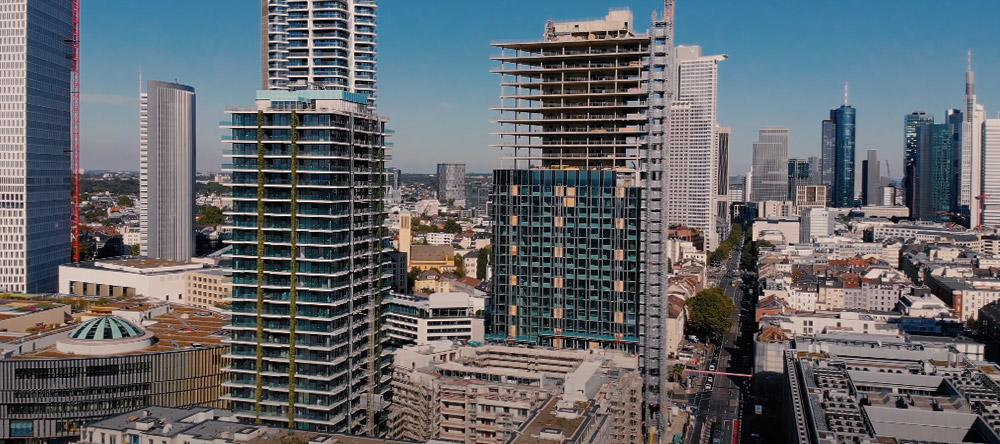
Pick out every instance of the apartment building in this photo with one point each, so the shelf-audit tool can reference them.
(209, 289)
(308, 265)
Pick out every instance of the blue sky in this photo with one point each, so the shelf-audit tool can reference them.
(788, 61)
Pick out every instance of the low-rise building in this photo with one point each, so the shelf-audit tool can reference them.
(426, 257)
(209, 288)
(54, 382)
(440, 316)
(200, 425)
(867, 392)
(440, 238)
(161, 279)
(497, 394)
(776, 231)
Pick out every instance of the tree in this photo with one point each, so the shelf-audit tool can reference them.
(483, 263)
(459, 265)
(411, 278)
(86, 251)
(209, 215)
(124, 200)
(452, 227)
(134, 250)
(710, 313)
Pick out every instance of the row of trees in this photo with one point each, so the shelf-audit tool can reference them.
(725, 249)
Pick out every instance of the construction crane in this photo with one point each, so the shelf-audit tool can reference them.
(75, 139)
(981, 198)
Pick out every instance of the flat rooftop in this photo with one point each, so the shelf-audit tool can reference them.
(139, 265)
(182, 328)
(13, 308)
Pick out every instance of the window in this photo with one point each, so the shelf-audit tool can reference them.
(21, 428)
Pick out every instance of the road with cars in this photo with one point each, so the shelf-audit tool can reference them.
(716, 406)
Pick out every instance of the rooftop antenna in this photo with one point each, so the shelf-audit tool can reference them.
(845, 93)
(970, 60)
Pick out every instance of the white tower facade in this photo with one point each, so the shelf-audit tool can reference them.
(35, 173)
(770, 165)
(692, 154)
(991, 172)
(973, 115)
(167, 171)
(319, 44)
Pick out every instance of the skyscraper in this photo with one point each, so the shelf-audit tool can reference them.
(451, 181)
(308, 265)
(972, 149)
(991, 172)
(770, 165)
(583, 121)
(722, 216)
(828, 147)
(871, 179)
(166, 171)
(692, 153)
(911, 145)
(935, 196)
(798, 175)
(36, 179)
(955, 118)
(815, 170)
(319, 44)
(843, 155)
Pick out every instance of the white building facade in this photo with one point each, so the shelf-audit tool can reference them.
(35, 178)
(166, 171)
(693, 153)
(770, 165)
(319, 44)
(991, 172)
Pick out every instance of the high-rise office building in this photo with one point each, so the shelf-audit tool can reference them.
(166, 171)
(583, 120)
(798, 175)
(722, 216)
(871, 179)
(842, 188)
(815, 170)
(955, 118)
(991, 172)
(738, 189)
(309, 271)
(972, 149)
(319, 44)
(936, 195)
(911, 146)
(692, 152)
(770, 165)
(36, 179)
(828, 147)
(451, 182)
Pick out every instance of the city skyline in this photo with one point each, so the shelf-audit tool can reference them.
(799, 90)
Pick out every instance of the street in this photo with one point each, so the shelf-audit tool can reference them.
(718, 410)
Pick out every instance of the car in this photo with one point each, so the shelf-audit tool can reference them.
(711, 380)
(711, 368)
(708, 386)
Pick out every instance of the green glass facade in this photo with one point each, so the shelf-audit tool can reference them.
(566, 249)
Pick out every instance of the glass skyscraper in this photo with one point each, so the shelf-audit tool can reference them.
(843, 163)
(770, 165)
(936, 196)
(309, 271)
(36, 178)
(911, 154)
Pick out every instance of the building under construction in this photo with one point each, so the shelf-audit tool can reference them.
(578, 203)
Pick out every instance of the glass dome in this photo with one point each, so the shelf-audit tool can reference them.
(106, 328)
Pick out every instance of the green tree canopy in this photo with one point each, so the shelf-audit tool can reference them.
(483, 262)
(453, 227)
(124, 200)
(710, 313)
(209, 215)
